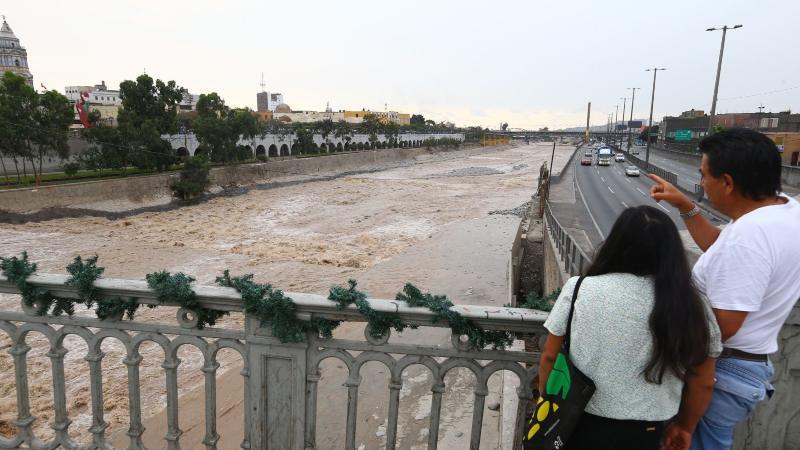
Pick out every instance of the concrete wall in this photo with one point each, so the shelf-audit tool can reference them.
(138, 188)
(790, 175)
(553, 274)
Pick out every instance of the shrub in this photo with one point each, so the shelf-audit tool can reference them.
(261, 157)
(71, 168)
(193, 180)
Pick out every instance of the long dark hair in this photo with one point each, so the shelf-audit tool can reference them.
(644, 241)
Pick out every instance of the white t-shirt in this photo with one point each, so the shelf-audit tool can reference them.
(754, 266)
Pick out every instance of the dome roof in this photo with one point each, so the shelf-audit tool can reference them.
(6, 31)
(283, 108)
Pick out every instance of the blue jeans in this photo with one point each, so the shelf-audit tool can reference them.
(740, 386)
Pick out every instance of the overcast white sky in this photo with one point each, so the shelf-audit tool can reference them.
(528, 63)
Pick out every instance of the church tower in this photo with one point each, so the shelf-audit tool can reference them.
(13, 57)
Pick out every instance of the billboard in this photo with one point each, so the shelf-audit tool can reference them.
(635, 123)
(621, 126)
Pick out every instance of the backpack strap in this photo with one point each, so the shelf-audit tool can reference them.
(565, 345)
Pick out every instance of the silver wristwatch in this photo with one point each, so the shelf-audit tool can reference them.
(691, 213)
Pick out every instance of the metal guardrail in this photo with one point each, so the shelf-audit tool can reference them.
(575, 260)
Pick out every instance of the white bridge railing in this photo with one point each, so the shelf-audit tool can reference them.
(280, 380)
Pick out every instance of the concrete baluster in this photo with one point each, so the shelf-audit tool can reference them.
(61, 420)
(135, 427)
(99, 425)
(170, 366)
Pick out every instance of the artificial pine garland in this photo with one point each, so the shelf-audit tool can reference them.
(271, 306)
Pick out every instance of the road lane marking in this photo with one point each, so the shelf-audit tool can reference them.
(628, 180)
(624, 204)
(604, 180)
(660, 206)
(641, 192)
(609, 188)
(585, 205)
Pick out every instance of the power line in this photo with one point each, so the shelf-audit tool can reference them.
(761, 93)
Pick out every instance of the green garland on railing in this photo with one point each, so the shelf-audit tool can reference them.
(441, 308)
(17, 270)
(379, 322)
(82, 277)
(275, 309)
(271, 306)
(177, 288)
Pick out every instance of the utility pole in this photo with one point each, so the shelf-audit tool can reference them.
(719, 68)
(760, 116)
(650, 121)
(588, 115)
(633, 97)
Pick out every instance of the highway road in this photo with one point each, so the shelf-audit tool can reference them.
(607, 191)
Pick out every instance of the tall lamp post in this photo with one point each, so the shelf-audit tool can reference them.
(633, 98)
(624, 106)
(719, 68)
(616, 119)
(650, 120)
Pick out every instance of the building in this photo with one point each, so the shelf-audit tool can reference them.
(783, 121)
(789, 145)
(266, 101)
(13, 56)
(691, 125)
(100, 98)
(188, 103)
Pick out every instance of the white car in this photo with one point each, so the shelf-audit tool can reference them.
(619, 157)
(632, 171)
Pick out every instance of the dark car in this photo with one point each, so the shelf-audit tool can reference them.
(586, 161)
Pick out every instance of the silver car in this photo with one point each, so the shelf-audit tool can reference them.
(632, 171)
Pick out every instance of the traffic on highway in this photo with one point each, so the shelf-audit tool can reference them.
(608, 188)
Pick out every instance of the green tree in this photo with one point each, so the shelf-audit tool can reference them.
(193, 179)
(326, 128)
(391, 130)
(371, 126)
(52, 119)
(417, 121)
(18, 102)
(304, 138)
(343, 131)
(219, 128)
(504, 126)
(149, 110)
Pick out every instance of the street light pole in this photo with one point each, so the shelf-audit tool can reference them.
(633, 98)
(719, 68)
(624, 106)
(650, 121)
(616, 119)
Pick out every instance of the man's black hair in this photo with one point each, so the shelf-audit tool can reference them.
(749, 157)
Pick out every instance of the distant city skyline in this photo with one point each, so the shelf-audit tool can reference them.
(528, 64)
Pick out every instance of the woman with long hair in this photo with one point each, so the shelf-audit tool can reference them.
(642, 333)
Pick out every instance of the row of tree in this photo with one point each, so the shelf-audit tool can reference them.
(33, 127)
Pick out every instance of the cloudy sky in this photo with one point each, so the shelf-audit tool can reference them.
(528, 63)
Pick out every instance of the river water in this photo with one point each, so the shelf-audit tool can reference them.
(424, 221)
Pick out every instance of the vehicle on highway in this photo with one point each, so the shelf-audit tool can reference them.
(619, 157)
(586, 161)
(588, 153)
(634, 151)
(604, 156)
(632, 171)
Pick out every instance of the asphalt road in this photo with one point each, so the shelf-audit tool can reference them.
(606, 192)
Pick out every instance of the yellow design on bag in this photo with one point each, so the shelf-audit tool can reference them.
(533, 431)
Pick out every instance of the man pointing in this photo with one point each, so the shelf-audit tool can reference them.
(750, 271)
